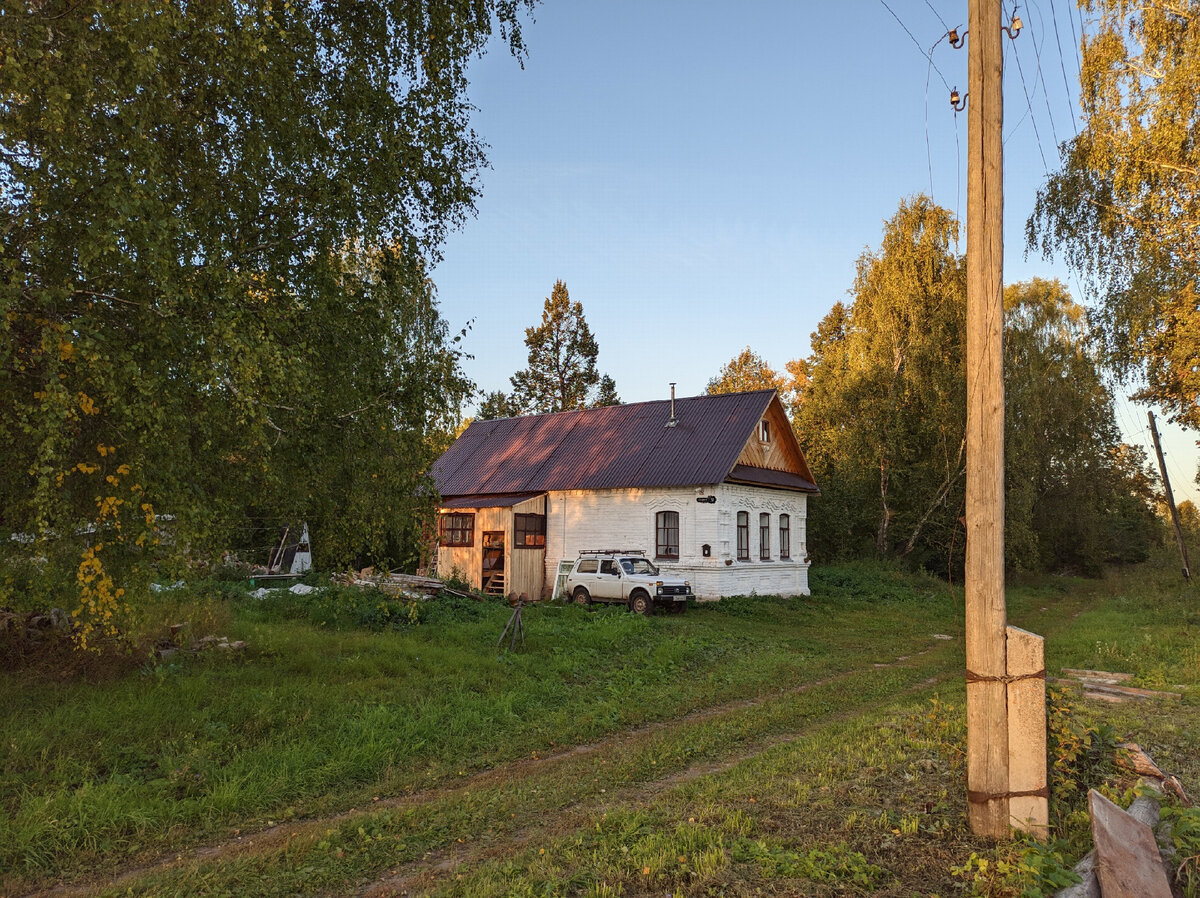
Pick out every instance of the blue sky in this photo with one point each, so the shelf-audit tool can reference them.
(704, 175)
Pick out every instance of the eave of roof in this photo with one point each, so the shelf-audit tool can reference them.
(458, 502)
(767, 477)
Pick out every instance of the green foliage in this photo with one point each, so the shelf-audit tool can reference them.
(882, 419)
(1185, 836)
(1027, 867)
(1076, 497)
(744, 372)
(561, 373)
(217, 225)
(1123, 208)
(1081, 756)
(882, 416)
(498, 404)
(606, 393)
(832, 865)
(339, 608)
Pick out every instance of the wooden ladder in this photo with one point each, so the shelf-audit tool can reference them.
(495, 586)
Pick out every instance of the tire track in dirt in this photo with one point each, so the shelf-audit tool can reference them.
(275, 837)
(418, 877)
(271, 838)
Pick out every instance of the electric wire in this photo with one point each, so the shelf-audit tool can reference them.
(1041, 77)
(916, 43)
(1029, 106)
(938, 14)
(1062, 63)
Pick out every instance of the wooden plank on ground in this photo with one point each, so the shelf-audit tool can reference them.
(1127, 860)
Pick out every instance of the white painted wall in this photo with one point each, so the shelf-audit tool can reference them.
(625, 519)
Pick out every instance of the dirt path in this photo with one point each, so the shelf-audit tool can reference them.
(419, 877)
(275, 837)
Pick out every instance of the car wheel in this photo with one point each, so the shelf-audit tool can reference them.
(580, 596)
(639, 603)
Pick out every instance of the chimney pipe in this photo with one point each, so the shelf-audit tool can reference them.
(673, 420)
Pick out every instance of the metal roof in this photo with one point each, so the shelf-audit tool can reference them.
(768, 477)
(604, 448)
(486, 501)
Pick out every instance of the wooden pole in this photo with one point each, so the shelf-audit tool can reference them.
(987, 707)
(1162, 468)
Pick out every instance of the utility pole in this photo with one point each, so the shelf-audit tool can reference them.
(987, 657)
(1162, 469)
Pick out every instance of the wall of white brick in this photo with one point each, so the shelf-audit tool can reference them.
(625, 519)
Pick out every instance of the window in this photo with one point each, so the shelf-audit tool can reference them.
(587, 566)
(743, 527)
(666, 540)
(785, 536)
(764, 537)
(608, 566)
(457, 530)
(529, 531)
(764, 430)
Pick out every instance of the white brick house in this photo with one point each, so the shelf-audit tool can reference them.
(713, 488)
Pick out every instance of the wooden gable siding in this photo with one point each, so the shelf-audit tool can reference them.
(781, 452)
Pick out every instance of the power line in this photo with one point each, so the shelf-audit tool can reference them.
(1037, 54)
(1029, 106)
(916, 43)
(938, 14)
(1076, 34)
(1062, 62)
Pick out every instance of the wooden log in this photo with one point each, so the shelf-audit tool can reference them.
(987, 706)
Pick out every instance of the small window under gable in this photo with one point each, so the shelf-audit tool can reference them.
(764, 430)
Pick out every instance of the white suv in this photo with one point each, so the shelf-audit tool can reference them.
(626, 577)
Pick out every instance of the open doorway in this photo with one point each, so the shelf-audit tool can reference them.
(492, 577)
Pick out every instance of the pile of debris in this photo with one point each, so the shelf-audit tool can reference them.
(401, 585)
(171, 645)
(1133, 855)
(1107, 686)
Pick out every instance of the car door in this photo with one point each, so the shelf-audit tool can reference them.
(608, 581)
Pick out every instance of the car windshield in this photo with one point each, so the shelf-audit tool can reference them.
(637, 566)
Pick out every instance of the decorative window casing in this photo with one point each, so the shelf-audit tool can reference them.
(785, 536)
(743, 536)
(764, 537)
(529, 531)
(456, 530)
(666, 534)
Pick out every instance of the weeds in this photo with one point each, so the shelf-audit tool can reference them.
(1185, 836)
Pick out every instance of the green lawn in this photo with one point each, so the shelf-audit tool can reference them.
(440, 743)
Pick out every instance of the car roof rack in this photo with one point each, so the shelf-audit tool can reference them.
(612, 551)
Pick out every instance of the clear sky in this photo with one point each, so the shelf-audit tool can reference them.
(704, 175)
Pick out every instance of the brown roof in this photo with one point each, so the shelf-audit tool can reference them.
(486, 501)
(769, 477)
(602, 448)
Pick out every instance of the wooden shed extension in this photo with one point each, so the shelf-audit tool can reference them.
(481, 541)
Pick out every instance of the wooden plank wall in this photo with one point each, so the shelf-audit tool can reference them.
(525, 569)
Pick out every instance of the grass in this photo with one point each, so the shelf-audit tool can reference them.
(750, 745)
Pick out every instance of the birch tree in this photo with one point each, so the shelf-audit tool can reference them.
(217, 220)
(1124, 208)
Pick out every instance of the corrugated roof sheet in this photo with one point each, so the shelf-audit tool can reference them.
(769, 477)
(486, 501)
(603, 448)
